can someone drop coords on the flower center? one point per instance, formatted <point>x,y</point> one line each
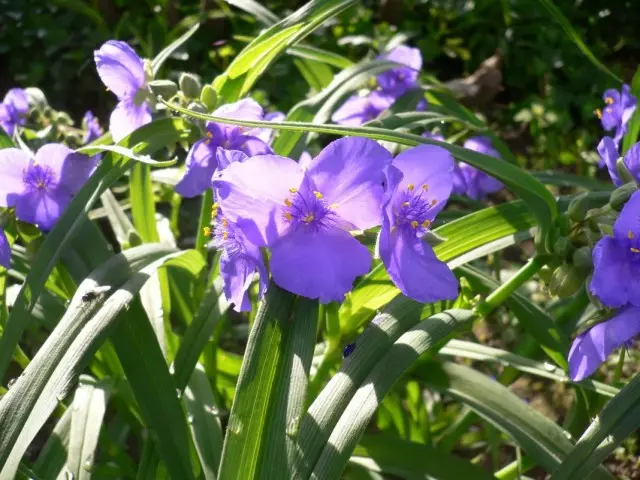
<point>413,211</point>
<point>308,210</point>
<point>223,233</point>
<point>38,177</point>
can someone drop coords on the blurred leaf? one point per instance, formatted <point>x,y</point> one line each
<point>164,55</point>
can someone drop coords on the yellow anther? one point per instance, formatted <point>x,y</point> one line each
<point>225,223</point>
<point>293,190</point>
<point>333,206</point>
<point>425,187</point>
<point>630,235</point>
<point>393,229</point>
<point>318,195</point>
<point>433,202</point>
<point>415,224</point>
<point>426,223</point>
<point>608,110</point>
<point>406,204</point>
<point>634,250</point>
<point>410,187</point>
<point>287,202</point>
<point>309,218</point>
<point>598,113</point>
<point>609,101</point>
<point>225,235</point>
<point>209,135</point>
<point>288,216</point>
<point>206,231</point>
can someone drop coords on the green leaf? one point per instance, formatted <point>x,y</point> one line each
<point>163,56</point>
<point>570,180</point>
<point>53,455</point>
<point>633,127</point>
<point>143,207</point>
<point>262,14</point>
<point>127,153</point>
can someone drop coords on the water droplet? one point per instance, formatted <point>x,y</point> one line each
<point>213,410</point>
<point>292,427</point>
<point>567,434</point>
<point>549,367</point>
<point>178,393</point>
<point>59,398</point>
<point>11,383</point>
<point>88,463</point>
<point>190,419</point>
<point>172,370</point>
<point>235,425</point>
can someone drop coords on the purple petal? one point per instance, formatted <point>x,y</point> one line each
<point>615,280</point>
<point>591,348</point>
<point>632,161</point>
<point>459,181</point>
<point>247,109</point>
<point>5,250</point>
<point>238,271</point>
<point>305,159</point>
<point>349,172</point>
<point>608,151</point>
<point>355,111</point>
<point>13,164</point>
<point>414,267</point>
<point>627,225</point>
<point>92,127</point>
<point>481,145</point>
<point>7,118</point>
<point>18,99</point>
<point>42,208</point>
<point>252,194</point>
<point>429,168</point>
<point>128,117</point>
<point>252,146</point>
<point>225,157</point>
<point>120,69</point>
<point>433,136</point>
<point>71,170</point>
<point>613,94</point>
<point>200,163</point>
<point>267,134</point>
<point>322,264</point>
<point>399,80</point>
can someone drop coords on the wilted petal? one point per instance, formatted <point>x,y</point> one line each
<point>591,348</point>
<point>200,163</point>
<point>349,173</point>
<point>13,164</point>
<point>615,281</point>
<point>609,155</point>
<point>252,194</point>
<point>120,69</point>
<point>321,264</point>
<point>128,117</point>
<point>5,250</point>
<point>42,208</point>
<point>238,271</point>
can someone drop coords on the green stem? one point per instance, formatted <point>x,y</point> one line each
<point>205,220</point>
<point>618,373</point>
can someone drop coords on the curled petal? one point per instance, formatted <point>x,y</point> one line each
<point>349,173</point>
<point>5,250</point>
<point>200,163</point>
<point>13,164</point>
<point>238,272</point>
<point>322,264</point>
<point>127,117</point>
<point>608,151</point>
<point>120,68</point>
<point>591,348</point>
<point>614,280</point>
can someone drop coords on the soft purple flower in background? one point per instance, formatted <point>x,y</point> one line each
<point>305,215</point>
<point>616,260</point>
<point>305,159</point>
<point>609,155</point>
<point>398,80</point>
<point>358,110</point>
<point>41,187</point>
<point>418,186</point>
<point>92,128</point>
<point>5,250</point>
<point>619,107</point>
<point>13,109</point>
<point>476,183</point>
<point>266,134</point>
<point>591,348</point>
<point>459,181</point>
<point>240,259</point>
<point>202,159</point>
<point>123,72</point>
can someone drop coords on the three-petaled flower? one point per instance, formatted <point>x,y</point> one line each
<point>13,109</point>
<point>473,182</point>
<point>618,109</point>
<point>609,155</point>
<point>92,128</point>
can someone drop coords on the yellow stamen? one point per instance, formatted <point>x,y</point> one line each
<point>405,204</point>
<point>415,224</point>
<point>225,235</point>
<point>333,206</point>
<point>425,187</point>
<point>630,235</point>
<point>309,218</point>
<point>287,202</point>
<point>288,216</point>
<point>206,231</point>
<point>433,202</point>
<point>598,113</point>
<point>293,190</point>
<point>634,250</point>
<point>393,229</point>
<point>608,110</point>
<point>225,223</point>
<point>209,135</point>
<point>318,195</point>
<point>426,223</point>
<point>410,187</point>
<point>609,101</point>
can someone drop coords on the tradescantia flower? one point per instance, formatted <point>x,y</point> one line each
<point>471,181</point>
<point>266,134</point>
<point>41,187</point>
<point>13,109</point>
<point>92,128</point>
<point>616,260</point>
<point>418,186</point>
<point>609,154</point>
<point>305,215</point>
<point>123,72</point>
<point>240,259</point>
<point>619,107</point>
<point>5,250</point>
<point>398,80</point>
<point>357,110</point>
<point>591,348</point>
<point>205,155</point>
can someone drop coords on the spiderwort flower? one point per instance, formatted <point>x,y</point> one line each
<point>204,157</point>
<point>618,110</point>
<point>305,215</point>
<point>123,72</point>
<point>41,187</point>
<point>609,154</point>
<point>266,134</point>
<point>5,250</point>
<point>616,260</point>
<point>398,80</point>
<point>591,348</point>
<point>92,128</point>
<point>475,183</point>
<point>357,110</point>
<point>418,186</point>
<point>13,109</point>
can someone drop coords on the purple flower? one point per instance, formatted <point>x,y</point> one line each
<point>41,187</point>
<point>5,250</point>
<point>240,259</point>
<point>618,110</point>
<point>205,155</point>
<point>418,186</point>
<point>475,183</point>
<point>358,110</point>
<point>266,134</point>
<point>398,80</point>
<point>92,128</point>
<point>123,72</point>
<point>13,109</point>
<point>591,348</point>
<point>609,156</point>
<point>616,260</point>
<point>305,215</point>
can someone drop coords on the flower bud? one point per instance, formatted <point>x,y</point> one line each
<point>545,274</point>
<point>37,98</point>
<point>190,85</point>
<point>566,280</point>
<point>209,97</point>
<point>563,224</point>
<point>584,202</point>
<point>621,195</point>
<point>623,171</point>
<point>582,258</point>
<point>562,246</point>
<point>197,107</point>
<point>163,88</point>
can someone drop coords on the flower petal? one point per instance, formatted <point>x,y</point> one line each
<point>355,111</point>
<point>252,194</point>
<point>127,117</point>
<point>13,163</point>
<point>349,173</point>
<point>201,163</point>
<point>482,145</point>
<point>18,99</point>
<point>608,151</point>
<point>414,267</point>
<point>252,146</point>
<point>238,271</point>
<point>627,225</point>
<point>42,208</point>
<point>71,170</point>
<point>7,118</point>
<point>120,68</point>
<point>225,157</point>
<point>614,280</point>
<point>322,264</point>
<point>591,348</point>
<point>632,161</point>
<point>5,250</point>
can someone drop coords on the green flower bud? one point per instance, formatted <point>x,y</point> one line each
<point>562,246</point>
<point>582,258</point>
<point>545,274</point>
<point>209,97</point>
<point>584,202</point>
<point>563,224</point>
<point>37,98</point>
<point>190,85</point>
<point>621,195</point>
<point>164,88</point>
<point>566,280</point>
<point>623,171</point>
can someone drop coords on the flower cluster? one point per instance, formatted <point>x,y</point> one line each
<point>305,215</point>
<point>618,109</point>
<point>13,109</point>
<point>391,85</point>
